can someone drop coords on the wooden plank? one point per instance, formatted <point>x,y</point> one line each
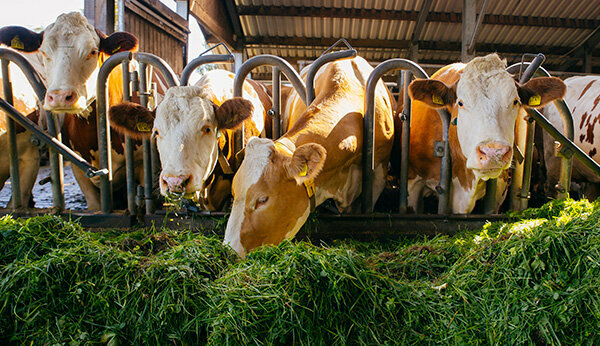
<point>149,16</point>
<point>167,13</point>
<point>212,17</point>
<point>100,14</point>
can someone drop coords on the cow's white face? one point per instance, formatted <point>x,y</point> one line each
<point>70,51</point>
<point>487,104</point>
<point>186,136</point>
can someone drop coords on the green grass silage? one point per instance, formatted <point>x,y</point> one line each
<point>536,280</point>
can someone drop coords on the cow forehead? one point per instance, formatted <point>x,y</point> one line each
<point>183,106</point>
<point>70,29</point>
<point>486,77</point>
<point>256,160</point>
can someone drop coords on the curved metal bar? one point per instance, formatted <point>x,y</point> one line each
<point>202,60</point>
<point>147,147</point>
<point>160,64</point>
<point>77,160</point>
<point>104,154</point>
<point>273,60</point>
<point>568,131</point>
<point>369,135</point>
<point>34,79</point>
<point>317,64</point>
<point>13,155</point>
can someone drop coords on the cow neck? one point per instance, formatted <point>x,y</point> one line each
<point>309,184</point>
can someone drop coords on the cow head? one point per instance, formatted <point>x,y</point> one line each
<point>70,48</point>
<point>186,126</point>
<point>484,104</point>
<point>270,199</point>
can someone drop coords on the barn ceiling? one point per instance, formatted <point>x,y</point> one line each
<point>300,30</point>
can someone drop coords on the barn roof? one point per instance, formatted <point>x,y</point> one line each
<point>564,31</point>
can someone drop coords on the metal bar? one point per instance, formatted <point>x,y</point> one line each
<point>51,141</point>
<point>164,68</point>
<point>471,45</point>
<point>317,64</point>
<point>369,123</point>
<point>129,145</point>
<point>202,60</point>
<point>27,69</point>
<point>104,153</point>
<point>405,117</point>
<point>276,109</point>
<point>148,174</point>
<point>12,140</point>
<point>244,70</point>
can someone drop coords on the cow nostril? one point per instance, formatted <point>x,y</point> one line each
<point>50,97</point>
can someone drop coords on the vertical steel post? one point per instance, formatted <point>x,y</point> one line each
<point>405,144</point>
<point>129,158</point>
<point>56,165</point>
<point>276,118</point>
<point>148,171</point>
<point>12,140</point>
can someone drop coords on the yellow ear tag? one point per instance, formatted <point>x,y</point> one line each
<point>143,127</point>
<point>304,171</point>
<point>437,100</point>
<point>535,100</point>
<point>116,49</point>
<point>16,43</point>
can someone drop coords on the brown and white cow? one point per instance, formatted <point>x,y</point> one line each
<point>192,125</point>
<point>484,101</point>
<point>583,98</point>
<point>72,51</point>
<point>321,150</point>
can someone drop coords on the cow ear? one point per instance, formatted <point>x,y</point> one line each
<point>21,38</point>
<point>233,112</point>
<point>538,92</point>
<point>117,42</point>
<point>132,119</point>
<point>307,162</point>
<point>434,93</point>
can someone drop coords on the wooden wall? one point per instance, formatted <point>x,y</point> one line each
<point>160,31</point>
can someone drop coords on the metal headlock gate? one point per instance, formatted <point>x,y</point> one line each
<point>367,225</point>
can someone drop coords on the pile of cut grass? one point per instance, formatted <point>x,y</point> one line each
<point>535,280</point>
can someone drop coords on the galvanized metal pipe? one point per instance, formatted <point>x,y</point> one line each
<point>202,60</point>
<point>13,155</point>
<point>275,111</point>
<point>104,153</point>
<point>244,70</point>
<point>27,69</point>
<point>405,143</point>
<point>369,135</point>
<point>165,70</point>
<point>129,145</point>
<point>148,174</point>
<point>90,170</point>
<point>317,64</point>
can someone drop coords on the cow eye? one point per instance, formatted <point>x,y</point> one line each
<point>516,102</point>
<point>460,103</point>
<point>155,133</point>
<point>206,130</point>
<point>261,201</point>
<point>92,53</point>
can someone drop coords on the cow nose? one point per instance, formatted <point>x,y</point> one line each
<point>177,183</point>
<point>493,154</point>
<point>61,98</point>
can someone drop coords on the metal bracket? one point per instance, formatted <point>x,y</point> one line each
<point>518,154</point>
<point>403,116</point>
<point>439,148</point>
<point>341,40</point>
<point>561,151</point>
<point>272,113</point>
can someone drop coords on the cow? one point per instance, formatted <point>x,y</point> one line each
<point>484,101</point>
<point>27,152</point>
<point>319,157</point>
<point>193,126</point>
<point>72,51</point>
<point>583,97</point>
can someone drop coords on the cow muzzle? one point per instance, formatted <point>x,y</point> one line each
<point>179,184</point>
<point>61,100</point>
<point>493,156</point>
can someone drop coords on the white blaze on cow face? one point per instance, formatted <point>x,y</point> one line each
<point>186,137</point>
<point>70,52</point>
<point>487,104</point>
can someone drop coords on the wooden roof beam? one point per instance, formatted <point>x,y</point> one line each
<point>584,48</point>
<point>214,20</point>
<point>448,17</point>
